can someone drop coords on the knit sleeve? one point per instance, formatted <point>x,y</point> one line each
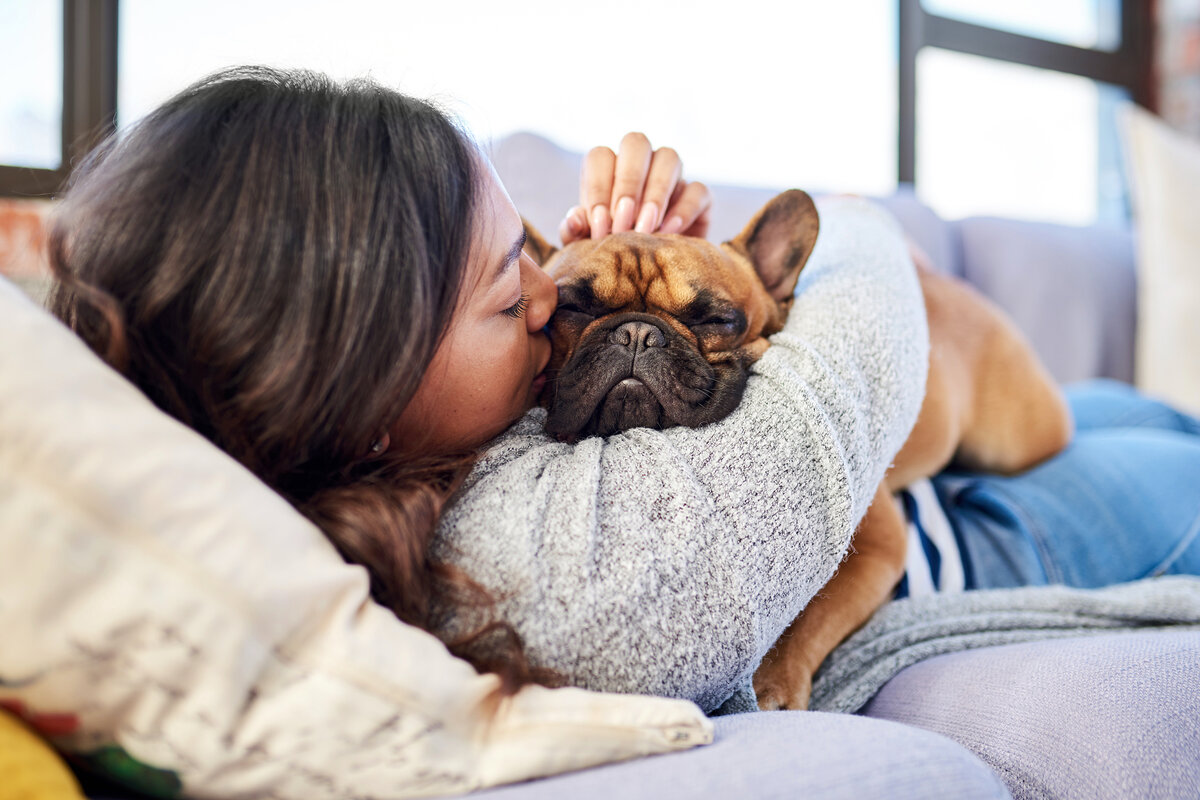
<point>668,562</point>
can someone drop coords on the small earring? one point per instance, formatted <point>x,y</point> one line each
<point>381,444</point>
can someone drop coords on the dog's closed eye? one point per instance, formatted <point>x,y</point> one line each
<point>724,324</point>
<point>571,308</point>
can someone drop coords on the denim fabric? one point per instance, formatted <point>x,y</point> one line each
<point>1122,502</point>
<point>1101,718</point>
<point>786,754</point>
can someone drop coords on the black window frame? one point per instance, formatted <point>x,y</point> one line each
<point>1130,66</point>
<point>89,95</point>
<point>90,75</point>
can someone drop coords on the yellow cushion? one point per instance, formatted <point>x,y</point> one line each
<point>29,767</point>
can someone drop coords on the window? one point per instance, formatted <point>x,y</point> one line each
<point>1011,140</point>
<point>1004,106</point>
<point>31,108</point>
<point>58,97</point>
<point>758,92</point>
<point>1008,107</point>
<point>1092,24</point>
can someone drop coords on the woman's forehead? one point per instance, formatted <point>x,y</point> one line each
<point>497,227</point>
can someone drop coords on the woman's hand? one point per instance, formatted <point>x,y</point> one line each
<point>637,189</point>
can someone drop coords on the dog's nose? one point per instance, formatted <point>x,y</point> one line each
<point>637,335</point>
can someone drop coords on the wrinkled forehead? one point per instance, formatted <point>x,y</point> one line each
<point>639,271</point>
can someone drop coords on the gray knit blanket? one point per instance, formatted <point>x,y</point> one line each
<point>911,630</point>
<point>668,562</point>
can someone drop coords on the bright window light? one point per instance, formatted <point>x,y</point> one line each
<point>756,92</point>
<point>31,54</point>
<point>1007,140</point>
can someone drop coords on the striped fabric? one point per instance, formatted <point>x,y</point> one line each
<point>934,562</point>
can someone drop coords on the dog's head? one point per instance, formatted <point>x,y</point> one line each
<point>659,330</point>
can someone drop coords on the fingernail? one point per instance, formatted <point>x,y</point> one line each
<point>573,223</point>
<point>623,215</point>
<point>600,221</point>
<point>673,225</point>
<point>648,218</point>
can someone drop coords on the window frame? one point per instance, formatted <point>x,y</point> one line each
<point>1130,66</point>
<point>89,95</point>
<point>90,30</point>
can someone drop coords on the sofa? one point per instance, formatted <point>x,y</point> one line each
<point>1108,716</point>
<point>1125,726</point>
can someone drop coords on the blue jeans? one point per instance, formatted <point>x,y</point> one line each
<point>1122,502</point>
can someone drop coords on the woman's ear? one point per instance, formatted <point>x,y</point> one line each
<point>536,244</point>
<point>779,240</point>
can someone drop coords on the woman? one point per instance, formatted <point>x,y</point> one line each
<point>328,283</point>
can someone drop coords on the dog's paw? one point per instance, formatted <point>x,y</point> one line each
<point>779,689</point>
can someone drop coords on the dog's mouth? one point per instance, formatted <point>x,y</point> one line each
<point>629,404</point>
<point>611,384</point>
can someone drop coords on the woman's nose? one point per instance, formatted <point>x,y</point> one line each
<point>543,294</point>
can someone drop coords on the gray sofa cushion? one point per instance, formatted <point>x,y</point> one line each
<point>542,180</point>
<point>1115,716</point>
<point>786,754</point>
<point>1073,291</point>
<point>938,238</point>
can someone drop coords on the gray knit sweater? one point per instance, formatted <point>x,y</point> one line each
<point>668,562</point>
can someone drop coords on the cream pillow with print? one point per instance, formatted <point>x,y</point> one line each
<point>171,621</point>
<point>1165,173</point>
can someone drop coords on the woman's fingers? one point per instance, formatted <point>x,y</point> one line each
<point>661,180</point>
<point>633,164</point>
<point>595,189</point>
<point>637,188</point>
<point>575,225</point>
<point>688,213</point>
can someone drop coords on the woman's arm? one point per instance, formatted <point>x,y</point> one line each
<point>667,562</point>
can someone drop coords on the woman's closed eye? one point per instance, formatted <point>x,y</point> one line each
<point>517,309</point>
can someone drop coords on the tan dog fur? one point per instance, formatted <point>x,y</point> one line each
<point>989,402</point>
<point>989,405</point>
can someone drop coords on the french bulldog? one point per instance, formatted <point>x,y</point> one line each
<point>659,330</point>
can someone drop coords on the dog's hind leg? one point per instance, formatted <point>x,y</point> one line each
<point>1019,416</point>
<point>863,583</point>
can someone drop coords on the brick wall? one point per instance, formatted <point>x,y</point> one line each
<point>22,244</point>
<point>1178,63</point>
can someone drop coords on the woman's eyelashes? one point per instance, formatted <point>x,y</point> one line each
<point>517,309</point>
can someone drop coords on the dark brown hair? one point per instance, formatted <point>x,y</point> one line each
<point>273,257</point>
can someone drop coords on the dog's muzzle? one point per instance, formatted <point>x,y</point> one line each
<point>634,371</point>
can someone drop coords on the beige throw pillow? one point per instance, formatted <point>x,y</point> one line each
<point>1165,174</point>
<point>169,620</point>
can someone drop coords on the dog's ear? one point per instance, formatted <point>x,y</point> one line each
<point>779,240</point>
<point>536,245</point>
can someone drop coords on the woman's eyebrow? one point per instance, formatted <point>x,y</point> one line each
<point>512,255</point>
